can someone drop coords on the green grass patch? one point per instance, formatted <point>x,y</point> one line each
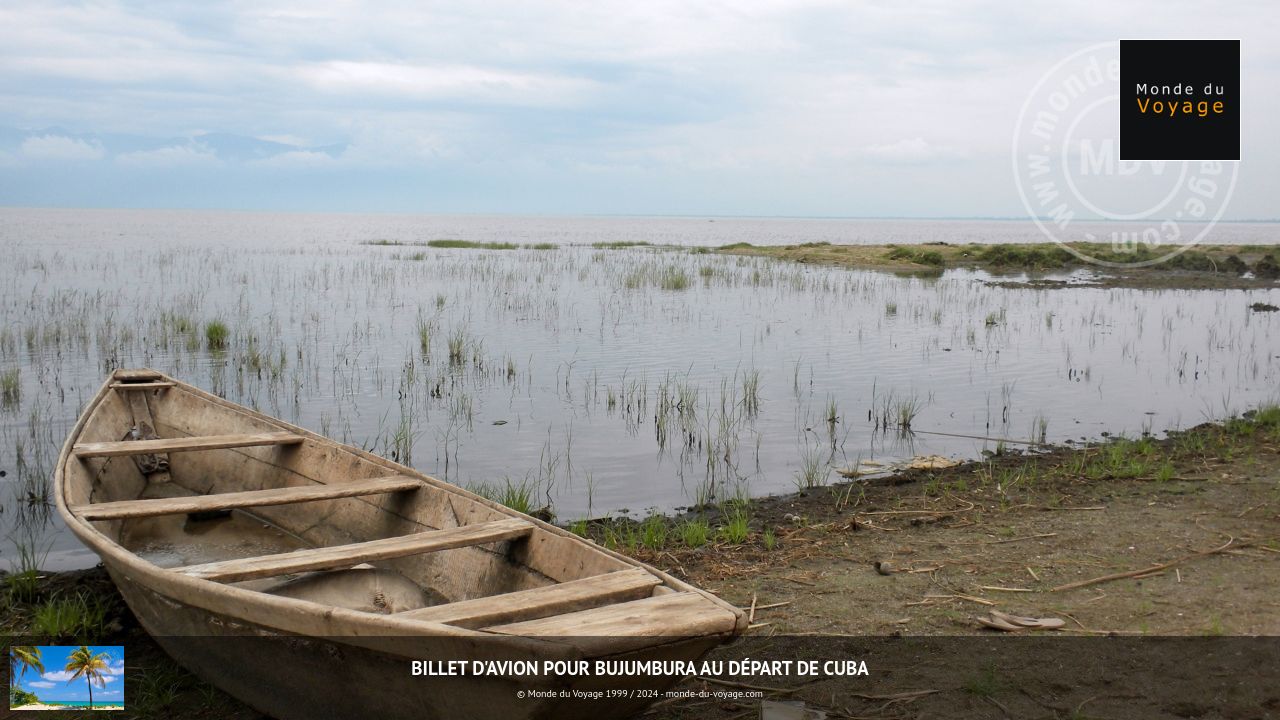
<point>653,532</point>
<point>81,617</point>
<point>517,496</point>
<point>471,245</point>
<point>737,524</point>
<point>932,258</point>
<point>694,532</point>
<point>216,335</point>
<point>620,244</point>
<point>1031,257</point>
<point>1267,267</point>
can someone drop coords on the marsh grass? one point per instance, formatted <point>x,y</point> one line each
<point>457,346</point>
<point>216,335</point>
<point>693,532</point>
<point>471,244</point>
<point>674,278</point>
<point>653,532</point>
<point>813,471</point>
<point>620,244</point>
<point>22,584</point>
<point>906,410</point>
<point>10,388</point>
<point>425,330</point>
<point>751,392</point>
<point>736,527</point>
<point>519,496</point>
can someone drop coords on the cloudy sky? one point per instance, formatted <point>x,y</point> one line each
<point>755,107</point>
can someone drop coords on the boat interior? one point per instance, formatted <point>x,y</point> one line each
<point>199,486</point>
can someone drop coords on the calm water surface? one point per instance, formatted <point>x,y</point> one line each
<point>603,380</point>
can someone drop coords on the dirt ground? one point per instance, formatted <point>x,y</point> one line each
<point>1187,530</point>
<point>955,542</point>
<point>1172,546</point>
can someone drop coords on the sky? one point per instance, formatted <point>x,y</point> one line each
<point>753,107</point>
<point>56,685</point>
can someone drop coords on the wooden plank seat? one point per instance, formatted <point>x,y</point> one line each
<point>184,444</point>
<point>142,385</point>
<point>341,556</point>
<point>244,499</point>
<point>136,375</point>
<point>565,597</point>
<point>635,623</point>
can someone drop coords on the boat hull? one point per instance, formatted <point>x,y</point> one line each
<point>293,677</point>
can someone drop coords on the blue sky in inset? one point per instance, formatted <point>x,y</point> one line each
<point>56,685</point>
<point>761,107</point>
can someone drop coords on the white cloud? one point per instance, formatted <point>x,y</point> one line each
<point>910,151</point>
<point>437,81</point>
<point>284,139</point>
<point>297,159</point>
<point>60,147</point>
<point>115,668</point>
<point>58,675</point>
<point>172,156</point>
<point>41,684</point>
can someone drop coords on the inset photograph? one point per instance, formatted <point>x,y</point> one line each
<point>66,677</point>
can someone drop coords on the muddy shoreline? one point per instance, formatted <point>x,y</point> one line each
<point>1125,539</point>
<point>1207,267</point>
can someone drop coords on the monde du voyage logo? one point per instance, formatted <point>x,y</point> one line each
<point>1124,152</point>
<point>1182,100</point>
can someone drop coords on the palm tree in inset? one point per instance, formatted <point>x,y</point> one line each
<point>84,663</point>
<point>21,659</point>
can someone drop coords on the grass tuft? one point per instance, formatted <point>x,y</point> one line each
<point>216,335</point>
<point>471,245</point>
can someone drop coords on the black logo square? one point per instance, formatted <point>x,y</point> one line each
<point>1179,99</point>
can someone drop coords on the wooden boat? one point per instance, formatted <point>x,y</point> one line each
<point>304,577</point>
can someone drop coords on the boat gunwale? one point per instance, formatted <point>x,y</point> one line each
<point>305,617</point>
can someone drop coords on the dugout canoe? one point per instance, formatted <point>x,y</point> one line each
<point>304,577</point>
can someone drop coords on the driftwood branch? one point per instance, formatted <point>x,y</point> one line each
<point>1147,570</point>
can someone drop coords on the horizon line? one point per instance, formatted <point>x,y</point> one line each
<point>683,216</point>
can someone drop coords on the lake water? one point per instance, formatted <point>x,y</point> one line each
<point>603,380</point>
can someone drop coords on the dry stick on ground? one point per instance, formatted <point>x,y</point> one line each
<point>957,596</point>
<point>1147,570</point>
